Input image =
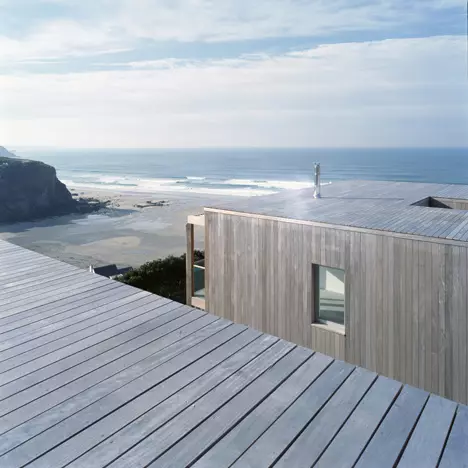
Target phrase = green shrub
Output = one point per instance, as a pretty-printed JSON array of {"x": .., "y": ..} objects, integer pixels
[{"x": 164, "y": 277}]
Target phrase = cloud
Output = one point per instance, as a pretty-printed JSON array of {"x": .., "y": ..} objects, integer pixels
[
  {"x": 58, "y": 39},
  {"x": 93, "y": 27},
  {"x": 402, "y": 92},
  {"x": 231, "y": 20}
]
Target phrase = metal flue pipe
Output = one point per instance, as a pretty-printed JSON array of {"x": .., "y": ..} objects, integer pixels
[{"x": 317, "y": 181}]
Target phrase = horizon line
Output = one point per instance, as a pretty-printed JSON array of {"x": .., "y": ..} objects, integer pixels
[{"x": 215, "y": 148}]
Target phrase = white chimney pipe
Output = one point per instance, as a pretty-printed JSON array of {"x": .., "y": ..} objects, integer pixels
[{"x": 317, "y": 181}]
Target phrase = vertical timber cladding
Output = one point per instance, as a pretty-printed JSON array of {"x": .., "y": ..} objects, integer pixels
[
  {"x": 260, "y": 274},
  {"x": 406, "y": 298}
]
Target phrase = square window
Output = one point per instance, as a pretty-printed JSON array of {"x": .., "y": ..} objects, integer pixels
[{"x": 329, "y": 293}]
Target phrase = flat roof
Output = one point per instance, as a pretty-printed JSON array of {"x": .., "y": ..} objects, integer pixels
[
  {"x": 96, "y": 373},
  {"x": 376, "y": 205}
]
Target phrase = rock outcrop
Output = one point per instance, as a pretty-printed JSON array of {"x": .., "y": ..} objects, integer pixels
[
  {"x": 30, "y": 190},
  {"x": 6, "y": 154}
]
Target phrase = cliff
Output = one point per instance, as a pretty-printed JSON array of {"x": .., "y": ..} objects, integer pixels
[
  {"x": 6, "y": 154},
  {"x": 31, "y": 190}
]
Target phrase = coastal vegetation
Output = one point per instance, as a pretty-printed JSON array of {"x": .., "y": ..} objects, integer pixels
[{"x": 164, "y": 277}]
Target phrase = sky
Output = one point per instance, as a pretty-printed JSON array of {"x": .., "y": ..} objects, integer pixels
[{"x": 233, "y": 73}]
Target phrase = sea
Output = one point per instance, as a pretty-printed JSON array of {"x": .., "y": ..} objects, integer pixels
[{"x": 246, "y": 172}]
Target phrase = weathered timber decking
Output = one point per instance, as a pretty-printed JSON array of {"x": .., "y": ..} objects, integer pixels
[
  {"x": 370, "y": 205},
  {"x": 95, "y": 373}
]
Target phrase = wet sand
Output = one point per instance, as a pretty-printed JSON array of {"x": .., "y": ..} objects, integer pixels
[{"x": 122, "y": 233}]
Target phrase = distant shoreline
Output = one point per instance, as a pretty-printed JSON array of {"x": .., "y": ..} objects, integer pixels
[
  {"x": 121, "y": 233},
  {"x": 127, "y": 199}
]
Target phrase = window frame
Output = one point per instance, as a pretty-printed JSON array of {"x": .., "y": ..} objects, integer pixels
[{"x": 316, "y": 320}]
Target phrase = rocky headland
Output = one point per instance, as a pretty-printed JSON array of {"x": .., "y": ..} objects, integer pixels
[{"x": 30, "y": 190}]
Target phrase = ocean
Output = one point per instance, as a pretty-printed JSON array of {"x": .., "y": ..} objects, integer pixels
[
  {"x": 129, "y": 236},
  {"x": 246, "y": 172}
]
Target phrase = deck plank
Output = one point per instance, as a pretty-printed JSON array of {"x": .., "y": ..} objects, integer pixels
[
  {"x": 64, "y": 285},
  {"x": 27, "y": 280},
  {"x": 94, "y": 297},
  {"x": 275, "y": 441},
  {"x": 190, "y": 447},
  {"x": 70, "y": 345},
  {"x": 352, "y": 438},
  {"x": 168, "y": 336},
  {"x": 51, "y": 298},
  {"x": 166, "y": 400},
  {"x": 28, "y": 375},
  {"x": 96, "y": 373},
  {"x": 268, "y": 369},
  {"x": 28, "y": 441},
  {"x": 426, "y": 444},
  {"x": 456, "y": 448},
  {"x": 388, "y": 442},
  {"x": 102, "y": 365},
  {"x": 32, "y": 340},
  {"x": 21, "y": 271},
  {"x": 102, "y": 342},
  {"x": 313, "y": 441},
  {"x": 63, "y": 316},
  {"x": 238, "y": 440}
]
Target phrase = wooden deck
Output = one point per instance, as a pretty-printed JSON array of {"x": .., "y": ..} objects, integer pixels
[
  {"x": 369, "y": 205},
  {"x": 94, "y": 373}
]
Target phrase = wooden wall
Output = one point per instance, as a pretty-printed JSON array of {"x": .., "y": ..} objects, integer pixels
[
  {"x": 406, "y": 298},
  {"x": 452, "y": 203},
  {"x": 440, "y": 202}
]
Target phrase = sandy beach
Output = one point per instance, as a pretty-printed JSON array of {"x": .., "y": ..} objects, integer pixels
[{"x": 124, "y": 233}]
